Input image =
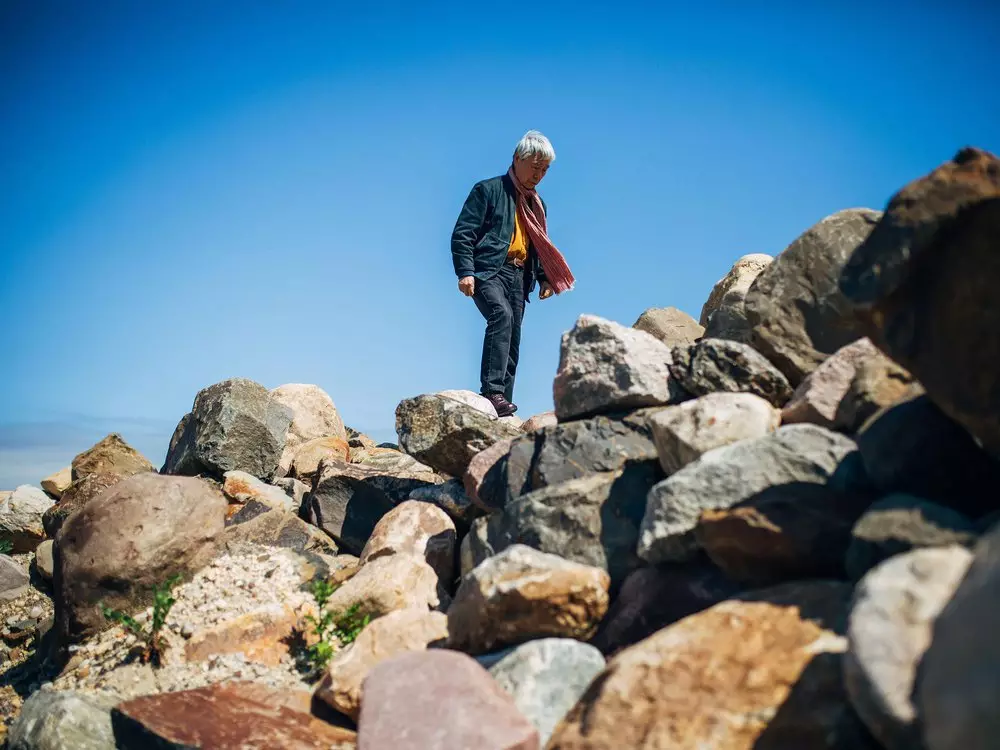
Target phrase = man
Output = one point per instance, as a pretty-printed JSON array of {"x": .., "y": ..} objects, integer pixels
[{"x": 500, "y": 248}]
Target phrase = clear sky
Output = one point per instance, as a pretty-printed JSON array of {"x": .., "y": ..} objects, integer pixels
[{"x": 191, "y": 191}]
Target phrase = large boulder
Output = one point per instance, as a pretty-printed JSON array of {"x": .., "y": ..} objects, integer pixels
[
  {"x": 522, "y": 594},
  {"x": 123, "y": 543},
  {"x": 235, "y": 425},
  {"x": 892, "y": 615},
  {"x": 724, "y": 314},
  {"x": 61, "y": 719},
  {"x": 446, "y": 434},
  {"x": 716, "y": 365},
  {"x": 733, "y": 474},
  {"x": 469, "y": 398},
  {"x": 314, "y": 415},
  {"x": 439, "y": 700},
  {"x": 415, "y": 528},
  {"x": 670, "y": 325},
  {"x": 763, "y": 670},
  {"x": 604, "y": 366},
  {"x": 75, "y": 497},
  {"x": 818, "y": 397},
  {"x": 797, "y": 313},
  {"x": 924, "y": 284},
  {"x": 958, "y": 683},
  {"x": 21, "y": 513},
  {"x": 111, "y": 455}
]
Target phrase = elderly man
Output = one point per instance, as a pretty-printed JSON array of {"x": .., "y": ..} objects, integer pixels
[{"x": 500, "y": 249}]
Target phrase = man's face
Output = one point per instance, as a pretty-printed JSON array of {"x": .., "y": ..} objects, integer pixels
[{"x": 530, "y": 171}]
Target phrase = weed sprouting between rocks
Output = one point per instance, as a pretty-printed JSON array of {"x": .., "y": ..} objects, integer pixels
[{"x": 163, "y": 600}]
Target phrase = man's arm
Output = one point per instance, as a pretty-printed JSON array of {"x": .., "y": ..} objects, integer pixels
[{"x": 466, "y": 232}]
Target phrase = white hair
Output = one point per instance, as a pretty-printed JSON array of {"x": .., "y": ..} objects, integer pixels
[{"x": 534, "y": 143}]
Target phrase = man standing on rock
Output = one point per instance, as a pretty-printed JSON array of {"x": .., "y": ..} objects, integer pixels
[{"x": 500, "y": 248}]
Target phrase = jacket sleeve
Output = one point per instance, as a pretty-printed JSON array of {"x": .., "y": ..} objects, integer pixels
[{"x": 467, "y": 232}]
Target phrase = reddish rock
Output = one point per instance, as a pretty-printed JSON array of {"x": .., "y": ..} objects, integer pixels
[
  {"x": 818, "y": 397},
  {"x": 224, "y": 717},
  {"x": 480, "y": 466},
  {"x": 306, "y": 459},
  {"x": 439, "y": 700},
  {"x": 415, "y": 528}
]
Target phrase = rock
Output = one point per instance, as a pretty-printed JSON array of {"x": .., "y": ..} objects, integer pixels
[
  {"x": 923, "y": 286},
  {"x": 670, "y": 325},
  {"x": 540, "y": 421},
  {"x": 396, "y": 633},
  {"x": 913, "y": 447},
  {"x": 522, "y": 594},
  {"x": 719, "y": 366},
  {"x": 684, "y": 432},
  {"x": 450, "y": 497},
  {"x": 723, "y": 314},
  {"x": 797, "y": 314},
  {"x": 390, "y": 583},
  {"x": 439, "y": 700},
  {"x": 900, "y": 523},
  {"x": 21, "y": 517},
  {"x": 415, "y": 528},
  {"x": 570, "y": 450},
  {"x": 878, "y": 383},
  {"x": 546, "y": 678},
  {"x": 485, "y": 470},
  {"x": 235, "y": 425},
  {"x": 446, "y": 434},
  {"x": 261, "y": 524},
  {"x": 391, "y": 461},
  {"x": 43, "y": 560},
  {"x": 476, "y": 546},
  {"x": 892, "y": 614},
  {"x": 77, "y": 496},
  {"x": 732, "y": 474},
  {"x": 241, "y": 488},
  {"x": 476, "y": 401},
  {"x": 347, "y": 500},
  {"x": 295, "y": 489},
  {"x": 13, "y": 580},
  {"x": 58, "y": 720},
  {"x": 221, "y": 716},
  {"x": 785, "y": 533},
  {"x": 56, "y": 484},
  {"x": 604, "y": 366},
  {"x": 305, "y": 460},
  {"x": 654, "y": 597},
  {"x": 817, "y": 399},
  {"x": 593, "y": 520},
  {"x": 760, "y": 671},
  {"x": 128, "y": 540},
  {"x": 112, "y": 455},
  {"x": 314, "y": 416},
  {"x": 958, "y": 683}
]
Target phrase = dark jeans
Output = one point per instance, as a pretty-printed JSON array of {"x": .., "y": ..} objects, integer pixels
[{"x": 501, "y": 301}]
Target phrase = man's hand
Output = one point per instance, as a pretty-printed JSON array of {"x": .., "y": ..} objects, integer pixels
[
  {"x": 545, "y": 291},
  {"x": 467, "y": 285}
]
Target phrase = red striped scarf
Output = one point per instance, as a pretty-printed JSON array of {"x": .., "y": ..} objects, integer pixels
[{"x": 532, "y": 216}]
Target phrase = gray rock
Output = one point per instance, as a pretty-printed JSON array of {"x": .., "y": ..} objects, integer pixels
[
  {"x": 670, "y": 325},
  {"x": 295, "y": 489},
  {"x": 797, "y": 312},
  {"x": 889, "y": 629},
  {"x": 43, "y": 560},
  {"x": 732, "y": 474},
  {"x": 13, "y": 580},
  {"x": 59, "y": 720},
  {"x": 899, "y": 523},
  {"x": 546, "y": 678},
  {"x": 684, "y": 432},
  {"x": 476, "y": 546},
  {"x": 446, "y": 434},
  {"x": 235, "y": 425},
  {"x": 604, "y": 367},
  {"x": 724, "y": 313},
  {"x": 21, "y": 517},
  {"x": 719, "y": 366},
  {"x": 958, "y": 684},
  {"x": 450, "y": 497},
  {"x": 818, "y": 397}
]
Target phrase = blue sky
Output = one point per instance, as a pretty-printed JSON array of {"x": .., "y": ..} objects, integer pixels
[{"x": 192, "y": 191}]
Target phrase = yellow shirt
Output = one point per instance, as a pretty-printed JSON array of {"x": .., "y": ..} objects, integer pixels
[{"x": 518, "y": 250}]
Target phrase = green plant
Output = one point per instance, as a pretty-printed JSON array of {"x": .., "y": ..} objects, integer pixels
[
  {"x": 163, "y": 600},
  {"x": 344, "y": 626},
  {"x": 6, "y": 546}
]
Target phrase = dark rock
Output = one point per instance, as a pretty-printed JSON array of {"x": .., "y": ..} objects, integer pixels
[
  {"x": 670, "y": 325},
  {"x": 77, "y": 496},
  {"x": 261, "y": 524},
  {"x": 797, "y": 313},
  {"x": 235, "y": 425},
  {"x": 112, "y": 455},
  {"x": 716, "y": 365},
  {"x": 900, "y": 523}
]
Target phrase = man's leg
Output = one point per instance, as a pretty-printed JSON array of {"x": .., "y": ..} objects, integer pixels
[
  {"x": 491, "y": 299},
  {"x": 515, "y": 299}
]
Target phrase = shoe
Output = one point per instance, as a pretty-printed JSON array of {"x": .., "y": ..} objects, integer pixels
[{"x": 504, "y": 407}]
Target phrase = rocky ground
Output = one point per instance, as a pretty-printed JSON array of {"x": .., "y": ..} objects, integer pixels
[{"x": 771, "y": 528}]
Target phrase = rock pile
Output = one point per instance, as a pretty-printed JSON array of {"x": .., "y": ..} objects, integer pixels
[{"x": 773, "y": 528}]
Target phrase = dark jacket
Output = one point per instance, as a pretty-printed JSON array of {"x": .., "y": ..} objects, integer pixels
[{"x": 485, "y": 227}]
